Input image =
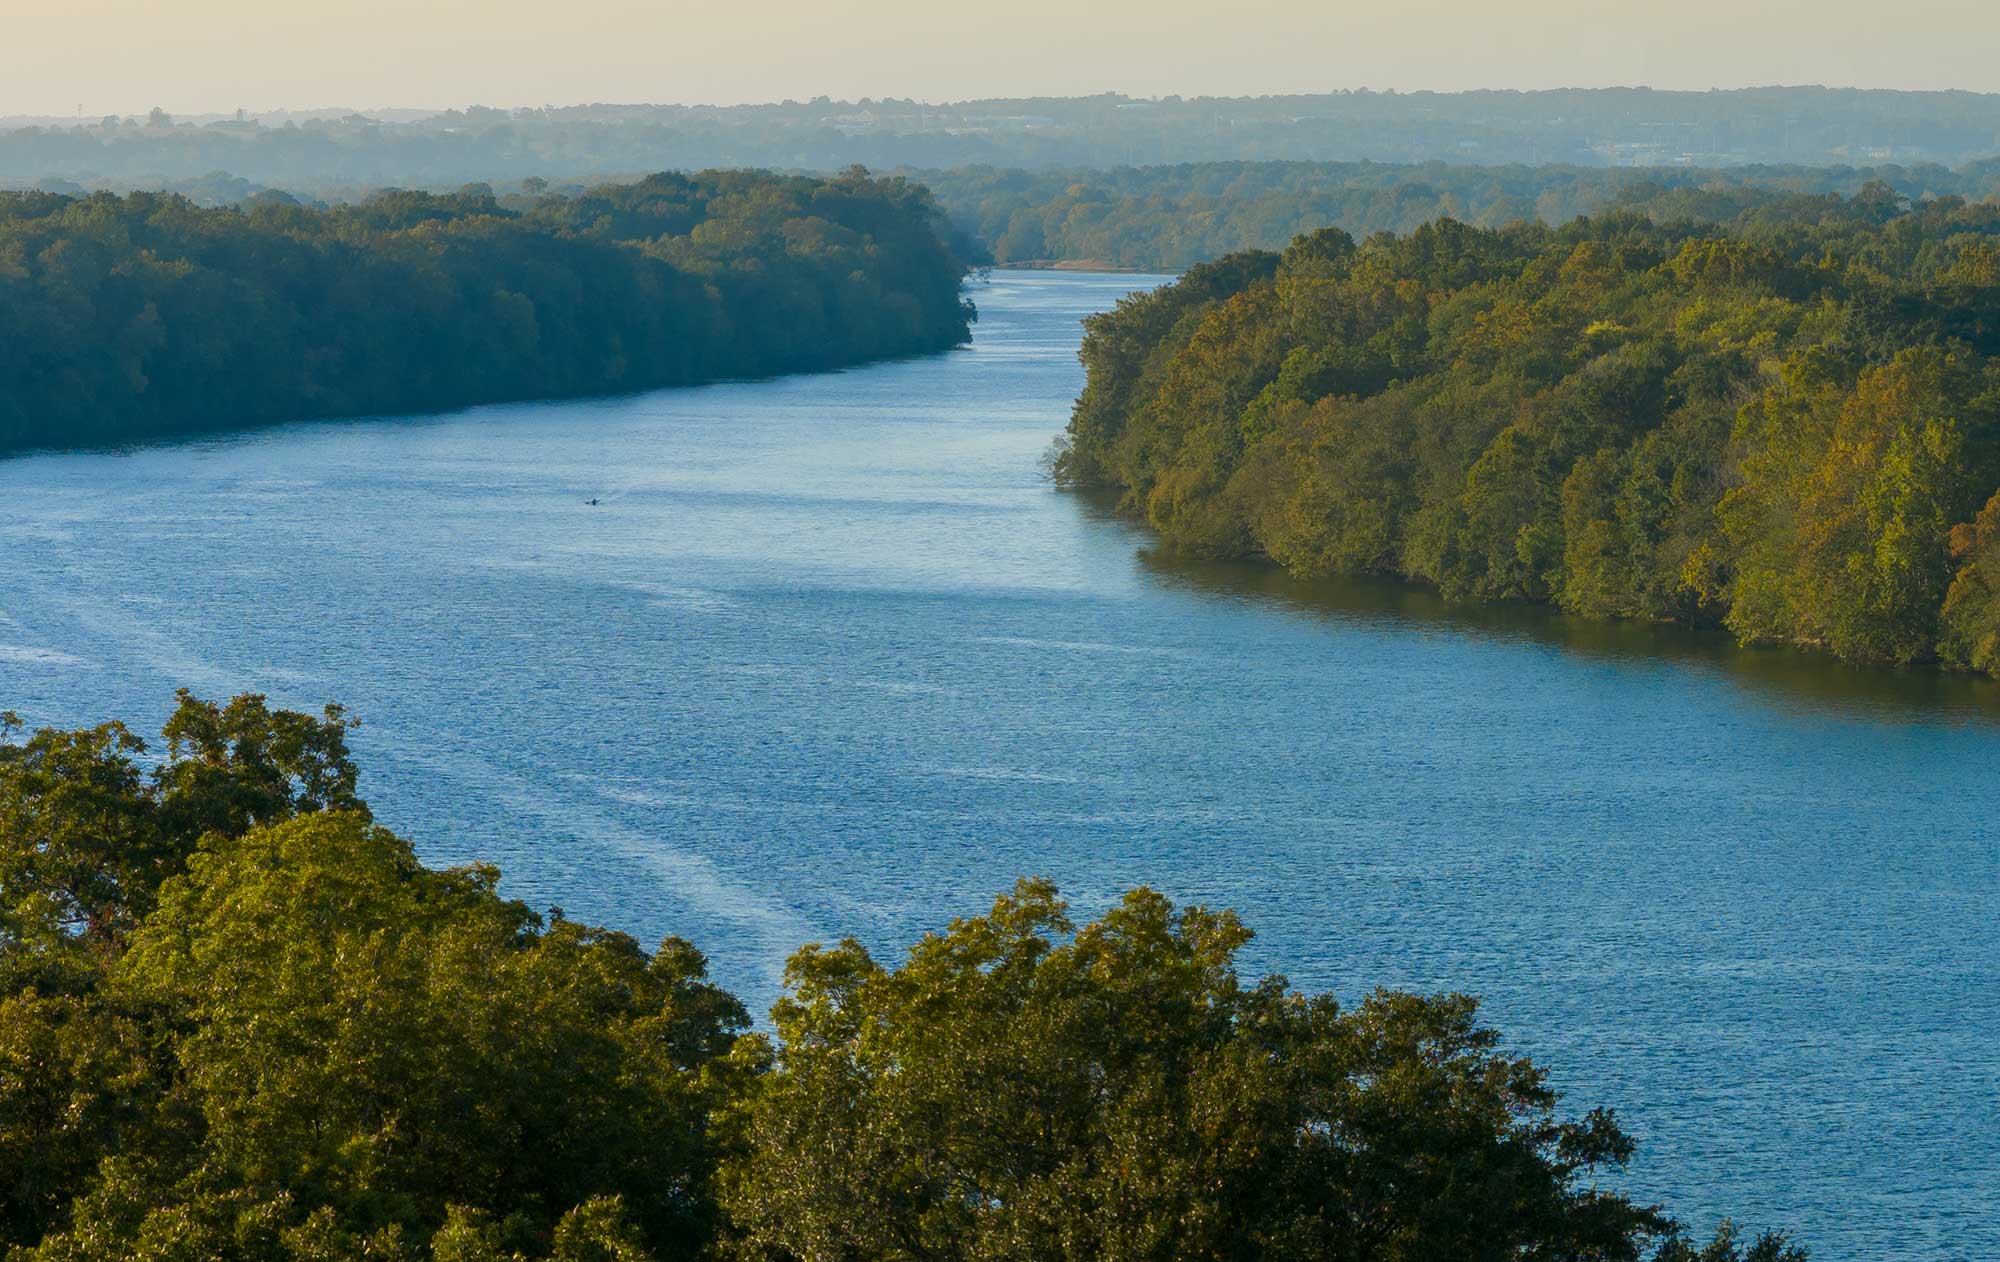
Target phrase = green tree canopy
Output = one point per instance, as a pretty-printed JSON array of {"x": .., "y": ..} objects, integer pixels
[
  {"x": 87, "y": 835},
  {"x": 129, "y": 318},
  {"x": 242, "y": 1022},
  {"x": 1785, "y": 425},
  {"x": 1022, "y": 1088}
]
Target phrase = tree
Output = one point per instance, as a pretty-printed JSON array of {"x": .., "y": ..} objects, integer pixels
[
  {"x": 235, "y": 767},
  {"x": 81, "y": 847},
  {"x": 1022, "y": 1089},
  {"x": 1776, "y": 423},
  {"x": 129, "y": 318},
  {"x": 1840, "y": 526},
  {"x": 73, "y": 1078},
  {"x": 284, "y": 1039},
  {"x": 86, "y": 837},
  {"x": 362, "y": 1048},
  {"x": 1971, "y": 614}
]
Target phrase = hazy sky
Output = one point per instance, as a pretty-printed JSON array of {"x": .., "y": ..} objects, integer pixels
[{"x": 124, "y": 56}]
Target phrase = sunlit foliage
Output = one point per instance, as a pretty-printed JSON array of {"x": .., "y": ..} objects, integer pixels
[
  {"x": 1786, "y": 425},
  {"x": 241, "y": 1022}
]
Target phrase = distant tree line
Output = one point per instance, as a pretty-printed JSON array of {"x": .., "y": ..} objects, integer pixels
[
  {"x": 1602, "y": 127},
  {"x": 1789, "y": 426},
  {"x": 1168, "y": 218},
  {"x": 240, "y": 1022},
  {"x": 127, "y": 318}
]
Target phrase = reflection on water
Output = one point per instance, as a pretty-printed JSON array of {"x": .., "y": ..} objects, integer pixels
[{"x": 1782, "y": 676}]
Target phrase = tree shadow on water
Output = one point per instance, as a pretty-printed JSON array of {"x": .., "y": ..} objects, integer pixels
[{"x": 1797, "y": 680}]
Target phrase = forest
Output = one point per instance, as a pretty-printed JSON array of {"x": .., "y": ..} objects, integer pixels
[
  {"x": 1168, "y": 218},
  {"x": 1787, "y": 425},
  {"x": 240, "y": 1021},
  {"x": 128, "y": 318}
]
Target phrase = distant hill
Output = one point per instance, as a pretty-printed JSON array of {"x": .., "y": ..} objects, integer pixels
[{"x": 312, "y": 151}]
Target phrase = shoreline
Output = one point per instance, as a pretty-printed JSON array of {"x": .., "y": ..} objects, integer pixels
[{"x": 1065, "y": 265}]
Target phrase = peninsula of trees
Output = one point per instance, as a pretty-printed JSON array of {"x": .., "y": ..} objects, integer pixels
[
  {"x": 124, "y": 319},
  {"x": 240, "y": 1022},
  {"x": 1789, "y": 425}
]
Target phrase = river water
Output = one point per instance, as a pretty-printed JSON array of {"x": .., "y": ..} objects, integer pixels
[{"x": 830, "y": 657}]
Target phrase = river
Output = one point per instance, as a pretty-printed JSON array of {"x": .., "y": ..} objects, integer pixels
[{"x": 830, "y": 657}]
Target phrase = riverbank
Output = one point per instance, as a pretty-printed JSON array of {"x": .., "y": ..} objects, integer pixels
[
  {"x": 1569, "y": 417},
  {"x": 185, "y": 321},
  {"x": 831, "y": 653},
  {"x": 1060, "y": 265}
]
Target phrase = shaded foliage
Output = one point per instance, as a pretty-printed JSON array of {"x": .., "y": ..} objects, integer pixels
[{"x": 127, "y": 318}]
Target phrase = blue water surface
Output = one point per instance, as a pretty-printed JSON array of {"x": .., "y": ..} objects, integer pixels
[{"x": 831, "y": 657}]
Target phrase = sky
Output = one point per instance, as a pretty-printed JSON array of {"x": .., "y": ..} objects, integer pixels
[{"x": 102, "y": 57}]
